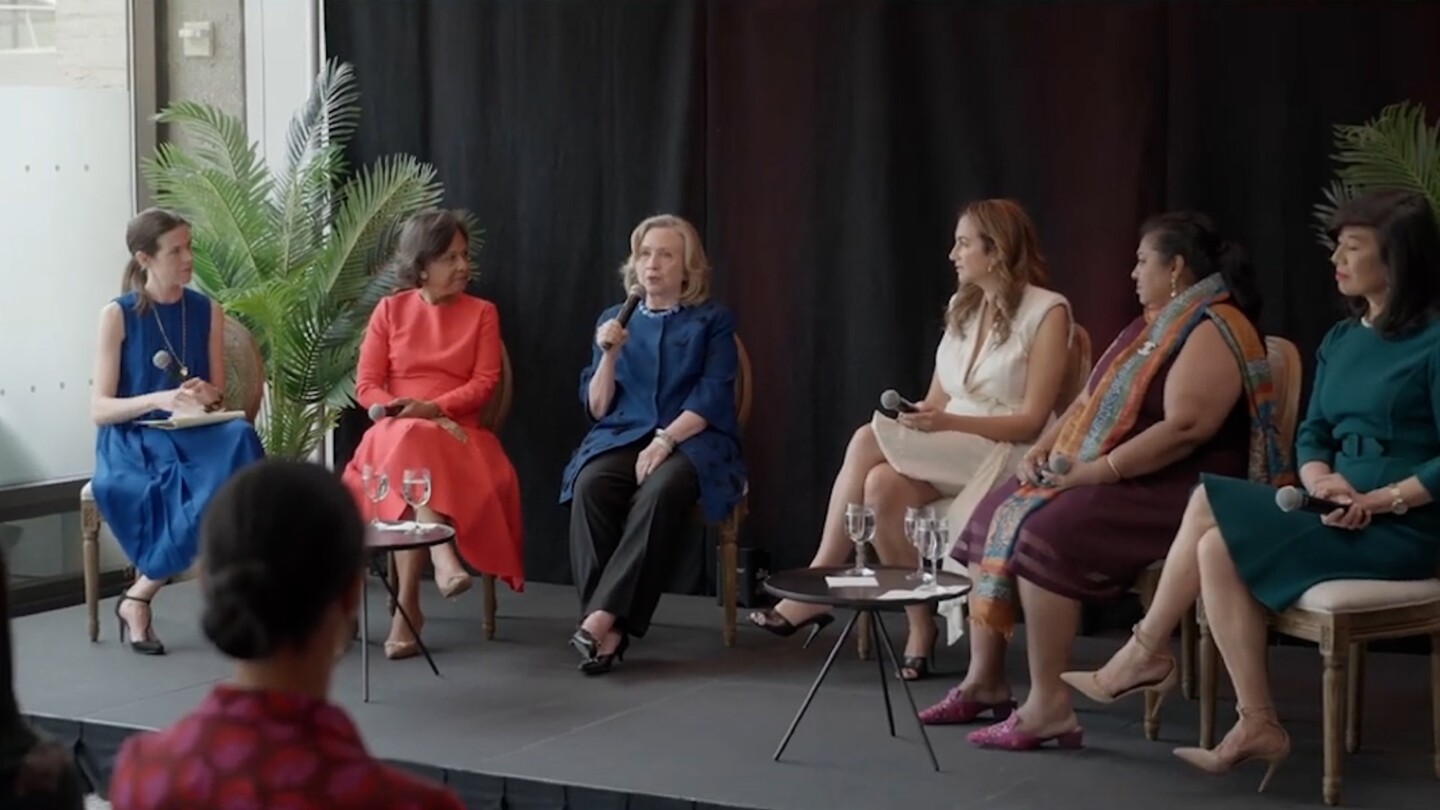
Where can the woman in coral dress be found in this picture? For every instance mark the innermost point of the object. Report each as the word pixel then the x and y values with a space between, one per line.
pixel 431 358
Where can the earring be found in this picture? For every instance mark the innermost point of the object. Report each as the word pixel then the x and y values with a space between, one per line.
pixel 1173 288
pixel 424 276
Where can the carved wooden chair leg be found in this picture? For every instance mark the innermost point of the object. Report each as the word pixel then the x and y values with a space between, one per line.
pixel 1189 641
pixel 1335 650
pixel 90 553
pixel 1355 698
pixel 1209 682
pixel 729 574
pixel 487 586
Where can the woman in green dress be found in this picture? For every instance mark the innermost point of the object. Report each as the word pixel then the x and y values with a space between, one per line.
pixel 1370 441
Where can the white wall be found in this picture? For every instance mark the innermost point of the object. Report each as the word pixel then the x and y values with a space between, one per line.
pixel 282 55
pixel 66 192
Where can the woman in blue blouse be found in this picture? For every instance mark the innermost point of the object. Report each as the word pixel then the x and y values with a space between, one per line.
pixel 661 392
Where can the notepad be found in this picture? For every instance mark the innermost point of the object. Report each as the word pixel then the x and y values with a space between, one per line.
pixel 851 582
pixel 915 593
pixel 190 420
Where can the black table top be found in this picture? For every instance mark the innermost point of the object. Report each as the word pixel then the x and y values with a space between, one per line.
pixel 809 585
pixel 394 536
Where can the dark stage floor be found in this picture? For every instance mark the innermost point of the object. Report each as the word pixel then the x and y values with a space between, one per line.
pixel 686 718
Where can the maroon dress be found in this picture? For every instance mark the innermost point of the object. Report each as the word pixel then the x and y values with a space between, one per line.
pixel 250 750
pixel 1091 543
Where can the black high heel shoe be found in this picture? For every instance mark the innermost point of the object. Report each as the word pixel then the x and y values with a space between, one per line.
pixel 138 646
pixel 600 664
pixel 920 664
pixel 770 620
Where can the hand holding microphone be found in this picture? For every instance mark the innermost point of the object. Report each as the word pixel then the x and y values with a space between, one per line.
pixel 1342 512
pixel 892 401
pixel 404 408
pixel 611 335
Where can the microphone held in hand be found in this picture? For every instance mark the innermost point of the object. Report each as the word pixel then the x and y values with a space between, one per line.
pixel 892 401
pixel 636 293
pixel 1290 499
pixel 378 411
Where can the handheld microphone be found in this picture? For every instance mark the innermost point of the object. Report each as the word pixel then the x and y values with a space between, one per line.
pixel 163 361
pixel 1058 465
pixel 636 293
pixel 1291 498
pixel 892 401
pixel 378 411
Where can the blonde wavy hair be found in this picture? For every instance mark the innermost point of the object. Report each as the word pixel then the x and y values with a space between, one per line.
pixel 1011 238
pixel 695 288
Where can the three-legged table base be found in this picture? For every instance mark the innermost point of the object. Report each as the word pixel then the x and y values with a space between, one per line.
pixel 877 633
pixel 365 626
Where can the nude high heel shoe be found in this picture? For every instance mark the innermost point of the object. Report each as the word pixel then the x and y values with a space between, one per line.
pixel 1226 756
pixel 1085 683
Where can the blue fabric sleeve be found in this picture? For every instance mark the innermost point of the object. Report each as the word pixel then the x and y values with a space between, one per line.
pixel 1429 472
pixel 1315 438
pixel 713 397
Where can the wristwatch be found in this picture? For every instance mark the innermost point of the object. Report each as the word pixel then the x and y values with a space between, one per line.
pixel 1397 501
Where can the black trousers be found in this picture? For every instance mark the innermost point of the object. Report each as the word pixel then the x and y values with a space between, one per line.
pixel 623 536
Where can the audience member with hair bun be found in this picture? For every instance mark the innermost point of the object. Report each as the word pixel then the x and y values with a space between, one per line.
pixel 431 360
pixel 281 573
pixel 35 773
pixel 161 353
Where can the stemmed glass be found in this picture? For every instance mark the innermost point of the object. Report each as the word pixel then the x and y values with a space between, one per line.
pixel 415 489
pixel 917 525
pixel 935 549
pixel 377 485
pixel 860 525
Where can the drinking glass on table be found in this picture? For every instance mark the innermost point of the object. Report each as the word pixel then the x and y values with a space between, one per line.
pixel 860 525
pixel 936 548
pixel 376 485
pixel 415 489
pixel 917 523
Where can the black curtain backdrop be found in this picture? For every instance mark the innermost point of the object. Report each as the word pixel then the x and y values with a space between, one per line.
pixel 823 149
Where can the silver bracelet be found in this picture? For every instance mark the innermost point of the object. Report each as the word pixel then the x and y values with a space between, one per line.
pixel 664 438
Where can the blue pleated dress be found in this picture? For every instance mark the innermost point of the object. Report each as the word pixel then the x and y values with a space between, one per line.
pixel 152 485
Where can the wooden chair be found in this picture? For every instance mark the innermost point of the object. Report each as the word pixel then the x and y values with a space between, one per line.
pixel 1341 617
pixel 492 418
pixel 244 388
pixel 727 550
pixel 1077 374
pixel 1286 371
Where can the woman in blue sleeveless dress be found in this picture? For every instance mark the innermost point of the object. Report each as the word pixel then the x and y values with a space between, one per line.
pixel 161 352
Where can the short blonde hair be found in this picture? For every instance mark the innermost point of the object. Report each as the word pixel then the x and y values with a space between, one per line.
pixel 695 288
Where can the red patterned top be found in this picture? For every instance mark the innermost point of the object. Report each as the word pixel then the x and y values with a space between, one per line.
pixel 244 750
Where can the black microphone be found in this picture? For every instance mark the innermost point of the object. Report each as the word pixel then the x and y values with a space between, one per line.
pixel 636 293
pixel 1291 498
pixel 892 401
pixel 378 411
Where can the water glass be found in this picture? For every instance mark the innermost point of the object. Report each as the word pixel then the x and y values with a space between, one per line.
pixel 377 486
pixel 917 522
pixel 415 489
pixel 940 534
pixel 860 525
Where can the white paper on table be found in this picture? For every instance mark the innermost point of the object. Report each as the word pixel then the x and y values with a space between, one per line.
pixel 405 526
pixel 921 594
pixel 851 582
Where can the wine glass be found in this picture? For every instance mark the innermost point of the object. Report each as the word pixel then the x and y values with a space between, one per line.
pixel 917 520
pixel 415 489
pixel 376 485
pixel 860 525
pixel 936 548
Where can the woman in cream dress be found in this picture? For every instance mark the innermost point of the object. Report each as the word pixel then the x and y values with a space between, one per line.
pixel 999 370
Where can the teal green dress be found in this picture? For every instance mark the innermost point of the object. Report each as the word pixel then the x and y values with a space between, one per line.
pixel 1374 417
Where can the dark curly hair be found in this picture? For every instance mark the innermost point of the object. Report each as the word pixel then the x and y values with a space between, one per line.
pixel 424 238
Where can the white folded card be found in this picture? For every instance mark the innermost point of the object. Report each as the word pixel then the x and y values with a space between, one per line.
pixel 948 590
pixel 189 420
pixel 851 582
pixel 405 526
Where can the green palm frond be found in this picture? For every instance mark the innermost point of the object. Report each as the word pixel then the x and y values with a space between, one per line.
pixel 1396 149
pixel 297 256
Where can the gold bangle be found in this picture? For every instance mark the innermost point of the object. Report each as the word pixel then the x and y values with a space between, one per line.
pixel 1114 469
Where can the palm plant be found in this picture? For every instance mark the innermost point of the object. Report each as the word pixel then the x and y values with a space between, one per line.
pixel 293 254
pixel 1396 149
